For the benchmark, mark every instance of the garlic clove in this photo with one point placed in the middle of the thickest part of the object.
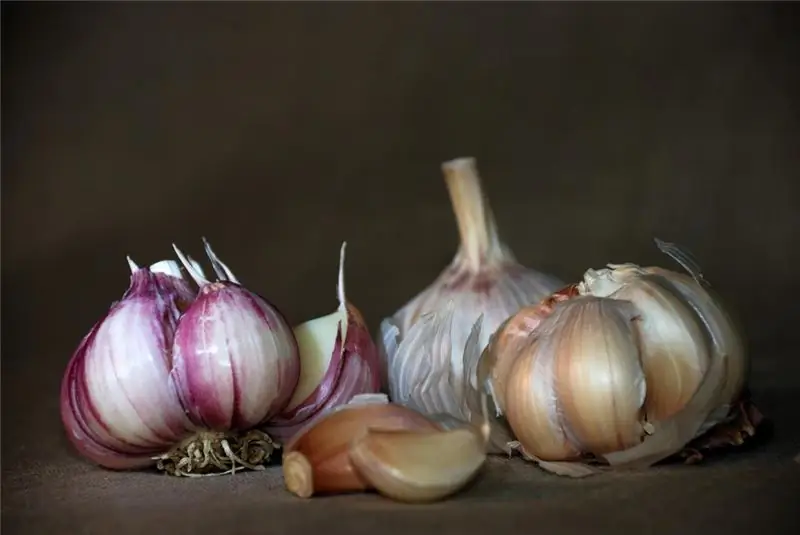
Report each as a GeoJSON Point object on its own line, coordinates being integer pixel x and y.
{"type": "Point", "coordinates": [235, 359]}
{"type": "Point", "coordinates": [670, 435]}
{"type": "Point", "coordinates": [531, 410]}
{"type": "Point", "coordinates": [316, 460]}
{"type": "Point", "coordinates": [507, 344]}
{"type": "Point", "coordinates": [600, 382]}
{"type": "Point", "coordinates": [418, 466]}
{"type": "Point", "coordinates": [117, 406]}
{"type": "Point", "coordinates": [675, 349]}
{"type": "Point", "coordinates": [727, 341]}
{"type": "Point", "coordinates": [339, 360]}
{"type": "Point", "coordinates": [578, 387]}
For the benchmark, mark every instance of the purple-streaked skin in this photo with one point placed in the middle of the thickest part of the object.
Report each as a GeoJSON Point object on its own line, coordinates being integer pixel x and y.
{"type": "Point", "coordinates": [235, 359]}
{"type": "Point", "coordinates": [353, 370]}
{"type": "Point", "coordinates": [236, 362]}
{"type": "Point", "coordinates": [117, 406]}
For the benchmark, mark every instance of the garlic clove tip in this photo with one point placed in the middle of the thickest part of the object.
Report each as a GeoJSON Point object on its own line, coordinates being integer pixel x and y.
{"type": "Point", "coordinates": [298, 475]}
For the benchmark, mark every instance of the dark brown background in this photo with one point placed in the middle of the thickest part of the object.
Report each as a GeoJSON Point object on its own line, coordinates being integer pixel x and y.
{"type": "Point", "coordinates": [279, 130]}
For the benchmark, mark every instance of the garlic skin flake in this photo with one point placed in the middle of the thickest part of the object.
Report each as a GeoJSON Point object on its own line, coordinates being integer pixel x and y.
{"type": "Point", "coordinates": [484, 279]}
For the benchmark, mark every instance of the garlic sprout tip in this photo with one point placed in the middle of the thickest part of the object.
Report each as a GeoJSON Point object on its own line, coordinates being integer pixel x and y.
{"type": "Point", "coordinates": [132, 265]}
{"type": "Point", "coordinates": [188, 265]}
{"type": "Point", "coordinates": [223, 272]}
{"type": "Point", "coordinates": [340, 293]}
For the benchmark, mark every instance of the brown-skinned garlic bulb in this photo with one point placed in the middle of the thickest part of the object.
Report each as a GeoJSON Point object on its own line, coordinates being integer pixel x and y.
{"type": "Point", "coordinates": [423, 343]}
{"type": "Point", "coordinates": [626, 367]}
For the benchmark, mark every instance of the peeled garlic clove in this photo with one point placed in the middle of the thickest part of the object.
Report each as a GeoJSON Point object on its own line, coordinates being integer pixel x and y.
{"type": "Point", "coordinates": [235, 359]}
{"type": "Point", "coordinates": [117, 405]}
{"type": "Point", "coordinates": [483, 279]}
{"type": "Point", "coordinates": [419, 466]}
{"type": "Point", "coordinates": [338, 360]}
{"type": "Point", "coordinates": [675, 348]}
{"type": "Point", "coordinates": [316, 460]}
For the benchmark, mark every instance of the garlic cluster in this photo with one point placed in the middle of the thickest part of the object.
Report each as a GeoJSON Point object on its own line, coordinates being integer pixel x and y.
{"type": "Point", "coordinates": [190, 380]}
{"type": "Point", "coordinates": [423, 343]}
{"type": "Point", "coordinates": [371, 444]}
{"type": "Point", "coordinates": [625, 368]}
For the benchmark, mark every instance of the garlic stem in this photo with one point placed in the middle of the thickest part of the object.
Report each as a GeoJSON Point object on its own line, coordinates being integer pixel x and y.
{"type": "Point", "coordinates": [476, 225]}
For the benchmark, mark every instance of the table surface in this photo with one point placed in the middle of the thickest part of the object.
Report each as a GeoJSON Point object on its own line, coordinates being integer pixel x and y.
{"type": "Point", "coordinates": [47, 489]}
{"type": "Point", "coordinates": [278, 130]}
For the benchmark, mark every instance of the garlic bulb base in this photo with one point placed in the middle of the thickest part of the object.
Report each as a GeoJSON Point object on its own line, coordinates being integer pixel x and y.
{"type": "Point", "coordinates": [211, 453]}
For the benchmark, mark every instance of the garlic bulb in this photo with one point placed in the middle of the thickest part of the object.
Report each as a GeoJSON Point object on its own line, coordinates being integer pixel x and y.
{"type": "Point", "coordinates": [627, 367]}
{"type": "Point", "coordinates": [338, 360]}
{"type": "Point", "coordinates": [180, 380]}
{"type": "Point", "coordinates": [423, 343]}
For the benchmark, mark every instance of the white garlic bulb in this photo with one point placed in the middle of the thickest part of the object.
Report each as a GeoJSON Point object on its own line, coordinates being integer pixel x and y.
{"type": "Point", "coordinates": [424, 354]}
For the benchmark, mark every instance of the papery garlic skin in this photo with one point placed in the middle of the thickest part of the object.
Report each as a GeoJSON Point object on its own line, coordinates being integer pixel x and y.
{"type": "Point", "coordinates": [341, 363]}
{"type": "Point", "coordinates": [235, 359]}
{"type": "Point", "coordinates": [117, 404]}
{"type": "Point", "coordinates": [484, 279]}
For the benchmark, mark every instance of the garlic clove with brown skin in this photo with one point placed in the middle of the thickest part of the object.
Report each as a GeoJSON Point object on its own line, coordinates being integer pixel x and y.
{"type": "Point", "coordinates": [728, 343]}
{"type": "Point", "coordinates": [675, 348]}
{"type": "Point", "coordinates": [579, 386]}
{"type": "Point", "coordinates": [484, 278]}
{"type": "Point", "coordinates": [316, 460]}
{"type": "Point", "coordinates": [511, 338]}
{"type": "Point", "coordinates": [419, 466]}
